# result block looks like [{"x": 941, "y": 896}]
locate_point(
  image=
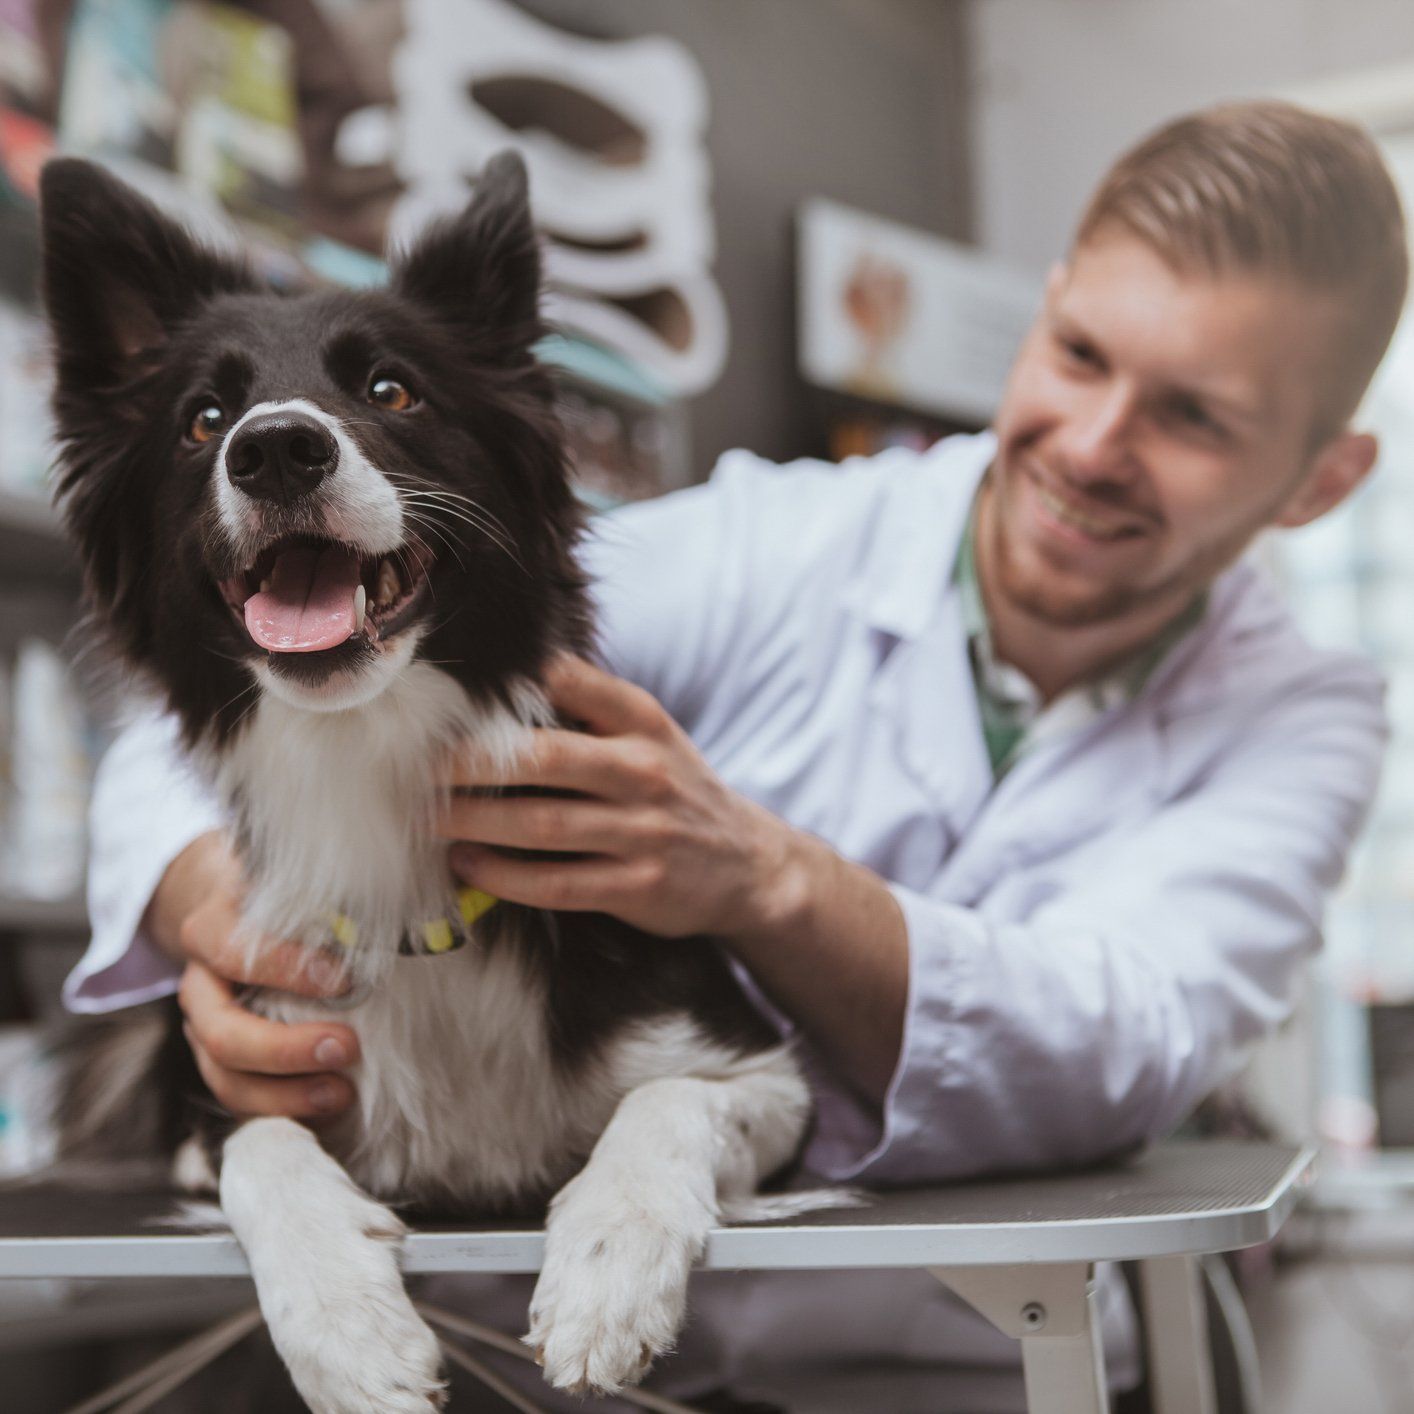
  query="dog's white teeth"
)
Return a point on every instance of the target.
[
  {"x": 360, "y": 603},
  {"x": 389, "y": 585},
  {"x": 265, "y": 585}
]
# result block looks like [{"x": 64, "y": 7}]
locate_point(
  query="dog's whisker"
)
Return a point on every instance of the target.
[{"x": 487, "y": 529}]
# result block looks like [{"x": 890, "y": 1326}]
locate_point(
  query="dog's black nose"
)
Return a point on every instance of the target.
[{"x": 280, "y": 456}]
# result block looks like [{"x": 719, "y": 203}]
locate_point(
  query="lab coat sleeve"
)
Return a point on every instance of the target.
[
  {"x": 1141, "y": 982},
  {"x": 148, "y": 805}
]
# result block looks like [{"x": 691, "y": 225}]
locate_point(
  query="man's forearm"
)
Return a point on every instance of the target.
[{"x": 829, "y": 946}]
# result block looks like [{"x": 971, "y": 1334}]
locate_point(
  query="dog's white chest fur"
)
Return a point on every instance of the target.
[
  {"x": 458, "y": 1094},
  {"x": 335, "y": 809}
]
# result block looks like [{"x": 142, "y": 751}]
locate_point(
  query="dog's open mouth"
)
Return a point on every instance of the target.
[{"x": 306, "y": 595}]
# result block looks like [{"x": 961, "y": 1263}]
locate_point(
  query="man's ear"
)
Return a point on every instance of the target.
[
  {"x": 118, "y": 276},
  {"x": 1338, "y": 468},
  {"x": 482, "y": 268}
]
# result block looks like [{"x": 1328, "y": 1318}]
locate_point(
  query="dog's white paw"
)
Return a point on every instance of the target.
[
  {"x": 325, "y": 1260},
  {"x": 362, "y": 1350},
  {"x": 613, "y": 1287}
]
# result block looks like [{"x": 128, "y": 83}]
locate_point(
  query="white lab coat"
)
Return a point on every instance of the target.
[{"x": 1095, "y": 943}]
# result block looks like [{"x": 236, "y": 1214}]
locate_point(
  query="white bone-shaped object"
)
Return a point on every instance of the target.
[{"x": 617, "y": 230}]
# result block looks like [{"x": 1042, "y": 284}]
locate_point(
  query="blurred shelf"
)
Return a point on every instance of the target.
[
  {"x": 1383, "y": 1178},
  {"x": 281, "y": 256},
  {"x": 593, "y": 366},
  {"x": 32, "y": 542},
  {"x": 57, "y": 917}
]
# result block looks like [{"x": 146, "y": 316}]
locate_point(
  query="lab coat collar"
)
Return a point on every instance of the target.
[
  {"x": 926, "y": 683},
  {"x": 910, "y": 579}
]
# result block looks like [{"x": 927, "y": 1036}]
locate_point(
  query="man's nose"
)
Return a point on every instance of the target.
[
  {"x": 1099, "y": 435},
  {"x": 280, "y": 456}
]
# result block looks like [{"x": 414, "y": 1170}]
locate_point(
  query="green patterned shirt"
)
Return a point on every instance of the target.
[{"x": 1014, "y": 719}]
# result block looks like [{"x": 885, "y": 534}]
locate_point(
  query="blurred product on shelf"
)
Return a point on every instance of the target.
[
  {"x": 24, "y": 76},
  {"x": 1392, "y": 1065},
  {"x": 863, "y": 435},
  {"x": 332, "y": 126},
  {"x": 49, "y": 776},
  {"x": 26, "y": 428},
  {"x": 207, "y": 91},
  {"x": 25, "y": 1144},
  {"x": 616, "y": 452}
]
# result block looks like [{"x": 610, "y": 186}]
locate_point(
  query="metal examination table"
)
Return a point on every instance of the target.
[{"x": 1022, "y": 1251}]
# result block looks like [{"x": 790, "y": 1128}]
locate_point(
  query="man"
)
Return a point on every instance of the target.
[{"x": 1009, "y": 786}]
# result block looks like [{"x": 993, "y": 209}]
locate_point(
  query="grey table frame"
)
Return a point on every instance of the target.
[{"x": 1022, "y": 1253}]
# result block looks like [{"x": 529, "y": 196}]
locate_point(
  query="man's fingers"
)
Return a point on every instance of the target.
[
  {"x": 594, "y": 885},
  {"x": 537, "y": 822},
  {"x": 310, "y": 1097},
  {"x": 555, "y": 759},
  {"x": 236, "y": 1039},
  {"x": 210, "y": 936},
  {"x": 287, "y": 967},
  {"x": 608, "y": 705}
]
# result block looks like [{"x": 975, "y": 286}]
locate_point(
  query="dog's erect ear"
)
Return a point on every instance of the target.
[
  {"x": 482, "y": 268},
  {"x": 118, "y": 275}
]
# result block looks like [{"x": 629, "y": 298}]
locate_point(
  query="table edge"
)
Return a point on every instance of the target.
[{"x": 778, "y": 1247}]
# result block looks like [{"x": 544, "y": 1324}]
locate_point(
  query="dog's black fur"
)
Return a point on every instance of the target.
[{"x": 148, "y": 326}]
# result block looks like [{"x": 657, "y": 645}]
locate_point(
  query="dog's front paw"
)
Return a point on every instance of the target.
[
  {"x": 346, "y": 1327},
  {"x": 613, "y": 1288},
  {"x": 365, "y": 1351},
  {"x": 325, "y": 1260}
]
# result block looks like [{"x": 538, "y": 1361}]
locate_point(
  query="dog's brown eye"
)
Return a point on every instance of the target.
[
  {"x": 208, "y": 423},
  {"x": 389, "y": 393}
]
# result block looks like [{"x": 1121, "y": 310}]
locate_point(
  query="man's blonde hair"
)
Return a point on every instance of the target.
[{"x": 1270, "y": 189}]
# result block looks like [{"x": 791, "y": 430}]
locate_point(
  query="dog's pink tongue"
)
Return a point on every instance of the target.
[{"x": 310, "y": 602}]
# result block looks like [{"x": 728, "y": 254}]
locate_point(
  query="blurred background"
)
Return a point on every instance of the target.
[{"x": 807, "y": 227}]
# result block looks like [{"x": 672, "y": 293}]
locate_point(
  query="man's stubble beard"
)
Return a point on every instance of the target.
[{"x": 1047, "y": 604}]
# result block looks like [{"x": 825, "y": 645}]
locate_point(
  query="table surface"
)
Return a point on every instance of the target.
[{"x": 1178, "y": 1197}]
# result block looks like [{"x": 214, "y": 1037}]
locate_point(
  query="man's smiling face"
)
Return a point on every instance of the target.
[{"x": 1154, "y": 422}]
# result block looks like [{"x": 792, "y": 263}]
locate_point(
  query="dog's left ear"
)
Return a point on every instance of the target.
[
  {"x": 118, "y": 275},
  {"x": 482, "y": 268}
]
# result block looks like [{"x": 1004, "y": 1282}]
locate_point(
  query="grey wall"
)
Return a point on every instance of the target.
[
  {"x": 860, "y": 100},
  {"x": 1063, "y": 86}
]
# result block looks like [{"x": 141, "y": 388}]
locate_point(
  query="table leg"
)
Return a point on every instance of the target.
[
  {"x": 1051, "y": 1309},
  {"x": 143, "y": 1388},
  {"x": 1180, "y": 1362}
]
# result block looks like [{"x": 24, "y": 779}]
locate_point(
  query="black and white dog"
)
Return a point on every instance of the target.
[{"x": 334, "y": 531}]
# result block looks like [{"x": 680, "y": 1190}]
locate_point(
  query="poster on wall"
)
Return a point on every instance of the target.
[{"x": 902, "y": 317}]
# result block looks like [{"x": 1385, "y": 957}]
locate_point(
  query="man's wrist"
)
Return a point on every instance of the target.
[
  {"x": 203, "y": 866},
  {"x": 827, "y": 942},
  {"x": 780, "y": 903}
]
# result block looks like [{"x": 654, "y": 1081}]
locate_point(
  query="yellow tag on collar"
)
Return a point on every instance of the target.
[
  {"x": 344, "y": 929},
  {"x": 438, "y": 935},
  {"x": 472, "y": 903}
]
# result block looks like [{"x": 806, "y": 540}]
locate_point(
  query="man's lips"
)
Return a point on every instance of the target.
[{"x": 1086, "y": 518}]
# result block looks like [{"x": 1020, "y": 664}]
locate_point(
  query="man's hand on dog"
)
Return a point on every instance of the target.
[
  {"x": 657, "y": 840},
  {"x": 253, "y": 1066}
]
